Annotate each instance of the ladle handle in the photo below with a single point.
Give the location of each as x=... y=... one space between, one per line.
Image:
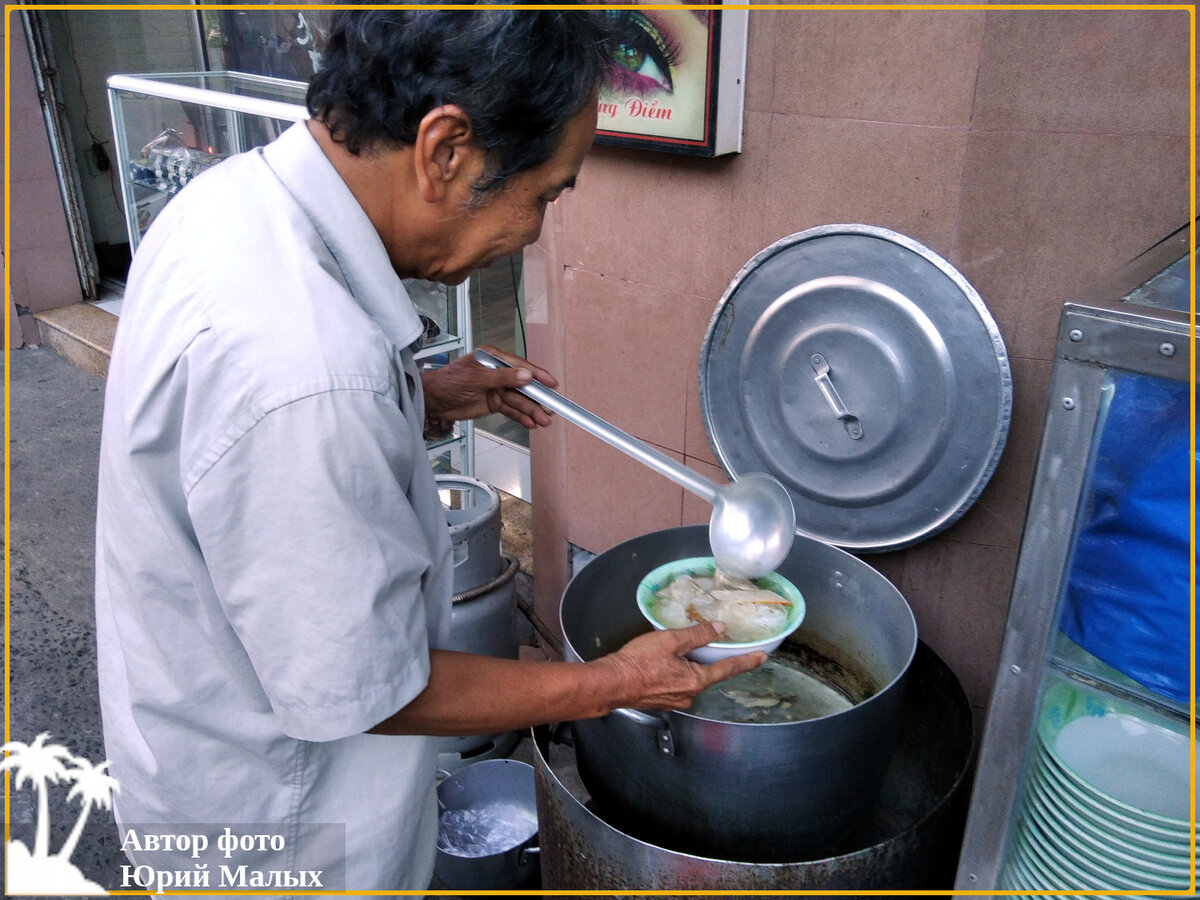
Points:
x=609 y=433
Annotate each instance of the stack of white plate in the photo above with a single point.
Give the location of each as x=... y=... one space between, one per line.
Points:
x=1107 y=799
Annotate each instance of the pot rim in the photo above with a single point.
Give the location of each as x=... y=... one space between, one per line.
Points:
x=630 y=712
x=930 y=660
x=685 y=714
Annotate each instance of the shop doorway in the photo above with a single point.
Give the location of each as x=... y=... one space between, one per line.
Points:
x=79 y=49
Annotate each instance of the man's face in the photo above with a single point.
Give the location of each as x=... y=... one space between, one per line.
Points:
x=510 y=217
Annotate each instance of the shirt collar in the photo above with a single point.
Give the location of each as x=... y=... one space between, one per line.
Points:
x=307 y=173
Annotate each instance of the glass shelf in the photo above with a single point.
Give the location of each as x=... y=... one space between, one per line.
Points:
x=1071 y=659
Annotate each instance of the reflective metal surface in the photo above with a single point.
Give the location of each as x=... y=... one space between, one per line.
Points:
x=862 y=370
x=909 y=840
x=752 y=522
x=723 y=788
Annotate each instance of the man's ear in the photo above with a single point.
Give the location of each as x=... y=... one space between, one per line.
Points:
x=445 y=152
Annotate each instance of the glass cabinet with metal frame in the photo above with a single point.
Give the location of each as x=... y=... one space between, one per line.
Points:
x=171 y=127
x=1085 y=771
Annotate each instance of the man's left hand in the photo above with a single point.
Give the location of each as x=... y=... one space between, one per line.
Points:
x=464 y=389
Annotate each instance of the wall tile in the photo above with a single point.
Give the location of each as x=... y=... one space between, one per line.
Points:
x=913 y=67
x=550 y=562
x=613 y=497
x=959 y=595
x=696 y=444
x=37 y=214
x=723 y=243
x=551 y=512
x=15 y=338
x=902 y=177
x=683 y=224
x=15 y=276
x=42 y=266
x=1094 y=71
x=49 y=277
x=630 y=351
x=643 y=216
x=1044 y=215
x=762 y=29
x=998 y=516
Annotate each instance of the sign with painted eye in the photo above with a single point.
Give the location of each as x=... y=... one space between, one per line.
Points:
x=676 y=82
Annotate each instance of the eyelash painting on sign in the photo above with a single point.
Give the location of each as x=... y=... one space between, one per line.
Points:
x=658 y=84
x=645 y=56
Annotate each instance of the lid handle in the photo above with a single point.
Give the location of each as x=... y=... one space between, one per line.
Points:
x=825 y=383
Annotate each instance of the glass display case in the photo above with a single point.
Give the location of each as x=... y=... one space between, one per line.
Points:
x=1085 y=776
x=171 y=127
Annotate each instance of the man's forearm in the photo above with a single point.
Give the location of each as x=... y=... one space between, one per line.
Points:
x=471 y=694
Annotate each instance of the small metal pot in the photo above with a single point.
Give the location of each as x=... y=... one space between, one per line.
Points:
x=480 y=786
x=751 y=792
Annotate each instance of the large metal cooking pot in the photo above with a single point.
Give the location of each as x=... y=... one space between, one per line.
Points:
x=909 y=842
x=750 y=792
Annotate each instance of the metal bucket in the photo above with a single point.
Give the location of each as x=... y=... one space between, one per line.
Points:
x=472 y=510
x=483 y=617
x=721 y=788
x=488 y=831
x=908 y=841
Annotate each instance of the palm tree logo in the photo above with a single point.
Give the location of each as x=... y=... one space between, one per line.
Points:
x=93 y=787
x=44 y=764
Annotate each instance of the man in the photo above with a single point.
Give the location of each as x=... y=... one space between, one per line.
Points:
x=273 y=563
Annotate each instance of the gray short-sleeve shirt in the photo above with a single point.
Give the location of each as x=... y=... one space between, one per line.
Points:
x=273 y=564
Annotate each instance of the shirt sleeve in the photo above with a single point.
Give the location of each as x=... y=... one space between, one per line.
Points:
x=310 y=539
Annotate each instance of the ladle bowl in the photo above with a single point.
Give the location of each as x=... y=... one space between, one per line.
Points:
x=753 y=520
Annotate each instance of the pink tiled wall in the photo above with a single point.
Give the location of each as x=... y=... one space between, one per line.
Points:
x=42 y=266
x=1036 y=150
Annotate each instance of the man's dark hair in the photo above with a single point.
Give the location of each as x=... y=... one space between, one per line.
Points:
x=519 y=75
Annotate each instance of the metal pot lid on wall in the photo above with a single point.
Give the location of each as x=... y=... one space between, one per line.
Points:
x=865 y=373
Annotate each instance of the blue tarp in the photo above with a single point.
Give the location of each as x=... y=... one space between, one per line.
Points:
x=1128 y=599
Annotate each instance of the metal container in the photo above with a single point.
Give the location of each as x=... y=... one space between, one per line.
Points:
x=750 y=792
x=908 y=841
x=472 y=510
x=487 y=792
x=483 y=617
x=865 y=373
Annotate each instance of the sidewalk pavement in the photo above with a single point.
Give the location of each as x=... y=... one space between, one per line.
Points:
x=54 y=413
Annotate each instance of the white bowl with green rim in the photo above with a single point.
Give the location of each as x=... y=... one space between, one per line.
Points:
x=1098 y=838
x=1036 y=866
x=705 y=566
x=1098 y=862
x=1138 y=766
x=1102 y=818
x=1062 y=873
x=1017 y=870
x=1108 y=809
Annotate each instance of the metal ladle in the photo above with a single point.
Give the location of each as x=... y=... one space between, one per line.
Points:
x=753 y=521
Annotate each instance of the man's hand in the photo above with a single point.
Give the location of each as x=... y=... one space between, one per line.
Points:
x=653 y=671
x=469 y=694
x=464 y=389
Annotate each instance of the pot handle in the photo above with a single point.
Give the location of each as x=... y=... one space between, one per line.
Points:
x=526 y=852
x=663 y=737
